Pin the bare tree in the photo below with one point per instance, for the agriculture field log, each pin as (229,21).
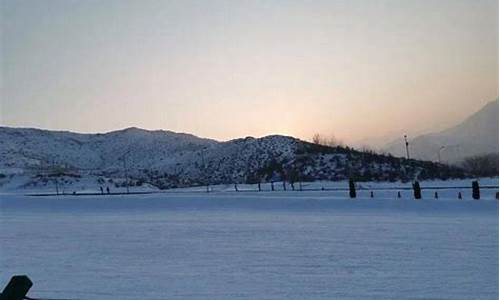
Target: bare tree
(367,149)
(330,141)
(317,139)
(482,165)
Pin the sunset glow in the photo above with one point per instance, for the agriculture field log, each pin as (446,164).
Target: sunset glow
(224,69)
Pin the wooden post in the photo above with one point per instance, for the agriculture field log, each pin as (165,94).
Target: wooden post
(460,195)
(475,190)
(352,189)
(399,194)
(436,195)
(417,191)
(17,288)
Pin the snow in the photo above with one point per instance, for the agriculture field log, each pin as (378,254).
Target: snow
(380,189)
(476,135)
(168,160)
(446,189)
(22,184)
(249,245)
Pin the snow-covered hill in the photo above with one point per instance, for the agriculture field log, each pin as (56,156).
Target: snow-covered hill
(476,135)
(168,159)
(34,148)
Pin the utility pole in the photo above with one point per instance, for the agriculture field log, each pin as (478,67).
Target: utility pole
(126,171)
(57,186)
(407,148)
(54,171)
(204,168)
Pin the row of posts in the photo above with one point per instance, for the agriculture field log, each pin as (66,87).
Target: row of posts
(417,191)
(236,189)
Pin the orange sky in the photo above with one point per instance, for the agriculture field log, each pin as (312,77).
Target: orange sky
(226,69)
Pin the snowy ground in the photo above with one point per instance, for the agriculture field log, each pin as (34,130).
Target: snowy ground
(280,245)
(89,184)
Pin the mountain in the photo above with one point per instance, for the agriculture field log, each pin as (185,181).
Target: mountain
(168,159)
(34,148)
(476,135)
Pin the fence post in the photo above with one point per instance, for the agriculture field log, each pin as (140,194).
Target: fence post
(17,288)
(476,195)
(460,195)
(352,189)
(436,195)
(417,191)
(371,194)
(399,194)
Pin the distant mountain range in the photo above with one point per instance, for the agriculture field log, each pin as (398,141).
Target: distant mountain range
(476,135)
(168,159)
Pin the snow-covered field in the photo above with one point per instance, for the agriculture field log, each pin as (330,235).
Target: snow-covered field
(268,245)
(90,184)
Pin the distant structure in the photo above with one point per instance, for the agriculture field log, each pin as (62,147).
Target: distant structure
(407,147)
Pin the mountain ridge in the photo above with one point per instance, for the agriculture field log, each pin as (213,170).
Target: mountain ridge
(169,159)
(477,134)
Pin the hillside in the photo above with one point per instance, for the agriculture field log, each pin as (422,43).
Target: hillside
(34,148)
(476,135)
(167,159)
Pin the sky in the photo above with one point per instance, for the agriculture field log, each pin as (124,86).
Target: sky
(364,71)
